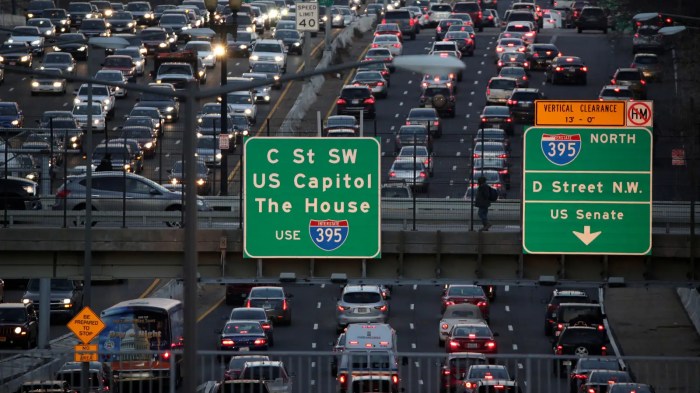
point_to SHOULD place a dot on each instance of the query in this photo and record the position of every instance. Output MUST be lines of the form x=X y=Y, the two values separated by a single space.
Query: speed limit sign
x=307 y=16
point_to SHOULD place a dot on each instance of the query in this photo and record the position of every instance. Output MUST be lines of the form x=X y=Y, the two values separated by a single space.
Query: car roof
x=362 y=288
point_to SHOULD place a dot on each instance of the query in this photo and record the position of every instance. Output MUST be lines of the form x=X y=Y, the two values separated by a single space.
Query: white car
x=262 y=93
x=457 y=314
x=337 y=18
x=390 y=42
x=526 y=28
x=46 y=27
x=113 y=76
x=243 y=102
x=80 y=112
x=29 y=34
x=269 y=50
x=551 y=19
x=204 y=51
x=438 y=12
x=348 y=15
x=49 y=84
x=509 y=45
x=100 y=93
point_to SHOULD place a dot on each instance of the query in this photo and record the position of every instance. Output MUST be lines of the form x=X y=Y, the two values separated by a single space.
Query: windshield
x=121 y=15
x=96 y=90
x=83 y=110
x=131 y=329
x=341 y=121
x=152 y=113
x=441 y=8
x=362 y=297
x=199 y=46
x=93 y=24
x=72 y=38
x=179 y=69
x=263 y=47
x=19 y=31
x=466 y=331
x=239 y=99
x=371 y=360
x=465 y=291
x=286 y=34
x=79 y=7
x=57 y=58
x=39 y=23
x=136 y=133
x=243 y=328
x=57 y=284
x=244 y=313
x=422 y=114
x=110 y=76
x=13 y=315
x=265 y=67
x=8 y=110
x=154 y=97
x=173 y=19
x=206 y=143
x=154 y=35
x=138 y=7
x=646 y=60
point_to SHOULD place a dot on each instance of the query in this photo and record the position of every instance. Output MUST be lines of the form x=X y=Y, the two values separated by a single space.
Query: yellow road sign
x=86 y=348
x=86 y=325
x=85 y=357
x=589 y=113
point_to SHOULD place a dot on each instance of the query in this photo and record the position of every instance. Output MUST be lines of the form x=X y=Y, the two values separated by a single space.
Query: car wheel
x=81 y=222
x=441 y=343
x=605 y=31
x=413 y=36
x=174 y=224
x=580 y=30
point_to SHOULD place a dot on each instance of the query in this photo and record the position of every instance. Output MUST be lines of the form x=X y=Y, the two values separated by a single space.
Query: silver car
x=243 y=102
x=420 y=153
x=110 y=188
x=499 y=89
x=413 y=174
x=208 y=150
x=361 y=304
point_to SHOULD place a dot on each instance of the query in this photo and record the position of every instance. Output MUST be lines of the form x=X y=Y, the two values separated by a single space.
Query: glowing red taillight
x=491 y=345
x=584 y=69
x=341 y=101
x=343 y=379
x=259 y=341
x=381 y=308
x=284 y=304
x=511 y=102
x=395 y=379
x=454 y=344
x=369 y=100
x=62 y=193
x=165 y=355
x=559 y=349
x=247 y=303
x=227 y=342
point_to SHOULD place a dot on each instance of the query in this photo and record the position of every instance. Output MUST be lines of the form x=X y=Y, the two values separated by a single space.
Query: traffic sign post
x=312 y=198
x=85 y=353
x=587 y=190
x=307 y=17
x=86 y=325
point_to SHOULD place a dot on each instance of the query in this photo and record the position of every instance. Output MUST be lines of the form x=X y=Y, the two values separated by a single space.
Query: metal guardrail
x=445 y=214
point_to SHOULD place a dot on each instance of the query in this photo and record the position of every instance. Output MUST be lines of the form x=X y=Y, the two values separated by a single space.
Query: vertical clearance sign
x=312 y=198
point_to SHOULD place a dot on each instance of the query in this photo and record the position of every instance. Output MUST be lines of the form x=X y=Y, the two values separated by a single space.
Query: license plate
x=566 y=363
x=267 y=306
x=472 y=345
x=362 y=310
x=13 y=63
x=243 y=349
x=572 y=69
x=355 y=101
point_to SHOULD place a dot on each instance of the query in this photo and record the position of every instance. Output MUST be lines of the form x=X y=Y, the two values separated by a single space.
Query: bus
x=151 y=329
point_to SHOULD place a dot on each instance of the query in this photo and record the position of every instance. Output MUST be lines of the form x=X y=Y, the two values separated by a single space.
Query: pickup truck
x=179 y=69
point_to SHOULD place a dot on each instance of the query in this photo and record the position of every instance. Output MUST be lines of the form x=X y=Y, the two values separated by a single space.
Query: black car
x=146 y=136
x=497 y=116
x=559 y=297
x=255 y=314
x=17 y=193
x=79 y=11
x=354 y=99
x=65 y=297
x=441 y=98
x=592 y=18
x=292 y=39
x=465 y=42
x=583 y=369
x=493 y=164
x=579 y=314
x=540 y=55
x=122 y=22
x=577 y=341
x=176 y=176
x=243 y=44
x=168 y=107
x=522 y=104
x=409 y=135
x=94 y=28
x=157 y=40
x=73 y=43
x=600 y=381
x=16 y=54
x=567 y=69
x=513 y=59
x=19 y=325
x=36 y=7
x=243 y=336
x=59 y=17
x=492 y=135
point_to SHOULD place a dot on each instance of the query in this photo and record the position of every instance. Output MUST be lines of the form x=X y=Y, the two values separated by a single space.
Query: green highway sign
x=312 y=198
x=587 y=190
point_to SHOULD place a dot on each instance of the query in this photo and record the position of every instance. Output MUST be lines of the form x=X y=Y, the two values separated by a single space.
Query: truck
x=179 y=69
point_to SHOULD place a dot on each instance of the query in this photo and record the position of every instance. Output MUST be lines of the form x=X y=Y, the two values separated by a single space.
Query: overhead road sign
x=639 y=114
x=593 y=113
x=312 y=198
x=86 y=325
x=587 y=190
x=307 y=16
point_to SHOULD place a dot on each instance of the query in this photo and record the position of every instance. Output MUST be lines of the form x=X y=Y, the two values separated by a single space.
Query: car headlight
x=74 y=138
x=57 y=84
x=69 y=68
x=255 y=57
x=148 y=145
x=200 y=202
x=76 y=101
x=325 y=18
x=209 y=57
x=200 y=182
x=162 y=45
x=143 y=51
x=15 y=122
x=64 y=21
x=10 y=40
x=273 y=13
x=26 y=301
x=200 y=73
x=337 y=17
x=285 y=12
x=297 y=44
x=267 y=98
x=130 y=24
x=138 y=63
x=199 y=134
x=24 y=59
x=108 y=24
x=172 y=39
x=66 y=301
x=82 y=48
x=173 y=181
x=127 y=167
x=279 y=58
x=106 y=101
x=96 y=122
x=18 y=330
x=36 y=42
x=276 y=77
x=148 y=15
x=35 y=84
x=242 y=46
x=31 y=176
x=49 y=32
x=56 y=49
x=249 y=29
x=108 y=12
x=247 y=111
x=30 y=15
x=218 y=156
x=169 y=109
x=88 y=16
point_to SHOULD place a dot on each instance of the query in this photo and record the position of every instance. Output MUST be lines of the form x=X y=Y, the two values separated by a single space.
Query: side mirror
x=170 y=171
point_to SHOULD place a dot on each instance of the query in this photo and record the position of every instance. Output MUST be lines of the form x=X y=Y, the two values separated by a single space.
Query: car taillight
x=395 y=379
x=341 y=101
x=375 y=45
x=526 y=64
x=559 y=349
x=499 y=49
x=449 y=302
x=454 y=344
x=560 y=326
x=427 y=162
x=509 y=120
x=511 y=102
x=580 y=376
x=643 y=82
x=266 y=326
x=341 y=308
x=396 y=45
x=446 y=372
x=412 y=22
x=601 y=327
x=604 y=350
x=584 y=69
x=383 y=21
x=483 y=304
x=392 y=174
x=438 y=29
x=259 y=341
x=503 y=172
x=343 y=379
x=227 y=342
x=62 y=193
x=423 y=175
x=284 y=304
x=524 y=77
x=483 y=120
x=444 y=326
x=591 y=390
x=381 y=308
x=247 y=303
x=380 y=83
x=165 y=355
x=436 y=123
x=369 y=100
x=469 y=385
x=558 y=69
x=521 y=49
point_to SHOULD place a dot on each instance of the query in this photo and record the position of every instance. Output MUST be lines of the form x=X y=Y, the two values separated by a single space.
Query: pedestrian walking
x=484 y=197
x=105 y=164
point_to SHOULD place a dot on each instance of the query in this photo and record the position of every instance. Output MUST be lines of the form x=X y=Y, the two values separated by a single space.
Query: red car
x=472 y=338
x=474 y=294
x=122 y=63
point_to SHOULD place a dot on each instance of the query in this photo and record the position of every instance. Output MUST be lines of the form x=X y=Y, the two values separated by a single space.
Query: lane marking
x=507 y=309
x=411 y=325
x=420 y=381
x=315 y=326
x=313 y=345
x=313 y=364
x=401 y=103
x=12 y=88
x=454 y=168
x=510 y=328
x=413 y=345
x=405 y=92
x=459 y=153
x=415 y=286
x=318 y=305
x=416 y=364
x=211 y=309
x=412 y=305
x=312 y=382
x=515 y=347
x=520 y=366
x=396 y=115
x=323 y=286
x=507 y=288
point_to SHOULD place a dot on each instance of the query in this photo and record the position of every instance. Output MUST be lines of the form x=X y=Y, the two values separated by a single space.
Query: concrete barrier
x=690 y=297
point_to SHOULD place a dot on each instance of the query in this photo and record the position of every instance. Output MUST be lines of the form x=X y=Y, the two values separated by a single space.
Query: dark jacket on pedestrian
x=482 y=196
x=105 y=164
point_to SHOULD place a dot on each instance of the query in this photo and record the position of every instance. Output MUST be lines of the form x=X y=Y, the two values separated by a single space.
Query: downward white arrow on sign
x=587 y=237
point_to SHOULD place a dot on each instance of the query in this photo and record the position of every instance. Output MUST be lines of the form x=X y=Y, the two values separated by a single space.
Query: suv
x=439 y=97
x=585 y=365
x=473 y=9
x=499 y=89
x=17 y=193
x=579 y=341
x=361 y=303
x=66 y=296
x=269 y=50
x=559 y=297
x=522 y=103
x=100 y=376
x=19 y=325
x=633 y=78
x=579 y=314
x=369 y=371
x=354 y=99
x=272 y=372
x=403 y=18
x=648 y=39
x=592 y=18
x=275 y=302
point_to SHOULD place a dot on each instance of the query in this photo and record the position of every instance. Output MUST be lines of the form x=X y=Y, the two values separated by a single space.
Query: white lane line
x=472 y=92
x=313 y=345
x=483 y=62
x=65 y=104
x=416 y=364
x=507 y=288
x=313 y=364
x=323 y=286
x=401 y=103
x=554 y=39
x=312 y=382
x=507 y=309
x=470 y=104
x=315 y=326
x=459 y=153
x=238 y=63
x=318 y=305
x=452 y=183
x=177 y=142
x=11 y=89
x=520 y=366
x=157 y=169
x=467 y=116
x=544 y=83
x=412 y=306
x=410 y=81
x=167 y=155
x=411 y=325
x=384 y=153
x=454 y=167
x=397 y=115
x=510 y=328
x=392 y=128
x=405 y=92
x=476 y=82
x=415 y=286
x=114 y=128
x=413 y=345
x=478 y=72
x=515 y=347
x=463 y=129
x=420 y=381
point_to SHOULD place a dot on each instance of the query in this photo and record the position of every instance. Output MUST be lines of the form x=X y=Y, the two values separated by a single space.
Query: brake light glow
x=560 y=326
x=341 y=308
x=380 y=83
x=62 y=193
x=341 y=101
x=584 y=69
x=369 y=100
x=511 y=102
x=445 y=372
x=558 y=69
x=381 y=308
x=343 y=379
x=284 y=304
x=601 y=327
x=481 y=304
x=397 y=45
x=227 y=342
x=423 y=175
x=503 y=172
x=604 y=350
x=444 y=326
x=384 y=343
x=454 y=344
x=395 y=379
x=580 y=376
x=392 y=174
x=488 y=376
x=247 y=304
x=259 y=341
x=375 y=45
x=643 y=82
x=469 y=385
x=266 y=326
x=436 y=123
x=491 y=345
x=165 y=355
x=559 y=349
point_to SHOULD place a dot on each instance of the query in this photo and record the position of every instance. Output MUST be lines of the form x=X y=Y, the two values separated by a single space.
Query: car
x=508 y=45
x=492 y=135
x=495 y=170
x=465 y=43
x=648 y=39
x=650 y=64
x=541 y=55
x=176 y=176
x=204 y=50
x=419 y=153
x=441 y=98
x=262 y=92
x=11 y=116
x=592 y=18
x=80 y=11
x=18 y=193
x=133 y=146
x=274 y=300
x=403 y=18
x=521 y=15
x=208 y=151
x=579 y=314
x=36 y=7
x=633 y=78
x=151 y=112
x=412 y=173
x=292 y=39
x=630 y=387
x=242 y=336
x=177 y=21
x=412 y=135
x=559 y=297
x=567 y=69
x=437 y=13
x=341 y=122
x=396 y=190
x=147 y=137
x=94 y=28
x=529 y=31
x=122 y=63
x=45 y=25
x=80 y=113
x=472 y=337
x=236 y=363
x=55 y=82
x=585 y=365
x=113 y=76
x=157 y=39
x=30 y=35
x=16 y=54
x=381 y=67
x=440 y=46
x=616 y=93
x=100 y=93
x=271 y=70
x=374 y=80
x=490 y=149
x=459 y=294
x=482 y=372
x=445 y=79
x=457 y=314
x=522 y=103
x=552 y=19
x=443 y=27
x=376 y=9
x=355 y=99
x=520 y=75
x=390 y=42
x=454 y=367
x=284 y=25
x=121 y=22
x=513 y=59
x=361 y=304
x=464 y=17
x=243 y=103
x=100 y=376
x=380 y=54
x=578 y=341
x=243 y=44
x=255 y=314
x=65 y=297
x=499 y=89
x=388 y=29
x=600 y=381
x=427 y=117
x=473 y=9
x=19 y=325
x=269 y=50
x=490 y=18
x=73 y=43
x=240 y=385
x=273 y=373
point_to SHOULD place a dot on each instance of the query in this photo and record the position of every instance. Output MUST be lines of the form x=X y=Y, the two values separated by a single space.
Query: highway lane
x=516 y=315
x=104 y=295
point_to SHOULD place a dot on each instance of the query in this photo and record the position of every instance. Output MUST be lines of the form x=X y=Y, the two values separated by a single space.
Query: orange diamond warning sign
x=86 y=325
